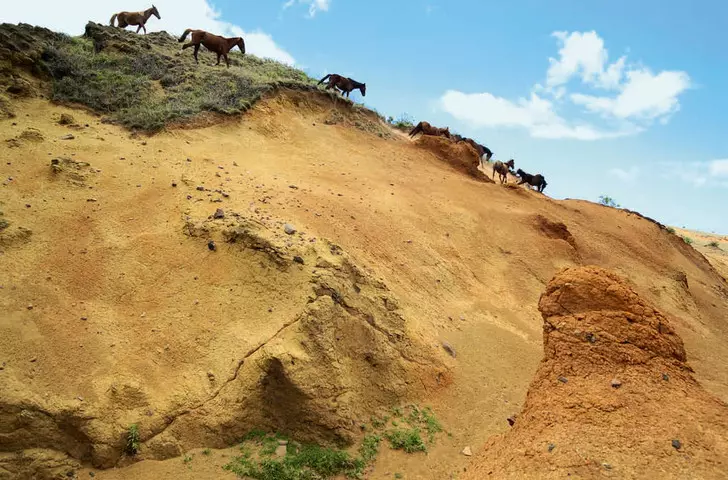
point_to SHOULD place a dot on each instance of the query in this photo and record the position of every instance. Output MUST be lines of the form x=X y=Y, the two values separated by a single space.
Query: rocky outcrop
x=614 y=395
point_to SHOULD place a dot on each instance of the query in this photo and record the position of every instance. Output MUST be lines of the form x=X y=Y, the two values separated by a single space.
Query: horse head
x=241 y=44
x=446 y=132
x=363 y=89
x=511 y=163
x=155 y=12
x=520 y=172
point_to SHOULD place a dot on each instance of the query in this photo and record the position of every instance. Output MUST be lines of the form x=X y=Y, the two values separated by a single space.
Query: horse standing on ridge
x=135 y=18
x=345 y=84
x=214 y=43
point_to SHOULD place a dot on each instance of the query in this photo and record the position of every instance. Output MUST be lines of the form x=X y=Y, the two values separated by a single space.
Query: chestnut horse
x=214 y=43
x=345 y=84
x=427 y=129
x=135 y=18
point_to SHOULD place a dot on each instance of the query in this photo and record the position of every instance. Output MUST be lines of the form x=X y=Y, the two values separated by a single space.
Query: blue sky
x=602 y=97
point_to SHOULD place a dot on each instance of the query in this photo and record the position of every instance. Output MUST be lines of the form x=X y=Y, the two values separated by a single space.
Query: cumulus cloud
x=637 y=97
x=313 y=5
x=177 y=15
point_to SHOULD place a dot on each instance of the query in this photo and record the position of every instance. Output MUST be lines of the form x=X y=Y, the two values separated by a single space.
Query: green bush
x=608 y=201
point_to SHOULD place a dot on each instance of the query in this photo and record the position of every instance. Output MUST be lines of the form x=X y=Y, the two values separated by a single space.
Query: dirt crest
x=614 y=395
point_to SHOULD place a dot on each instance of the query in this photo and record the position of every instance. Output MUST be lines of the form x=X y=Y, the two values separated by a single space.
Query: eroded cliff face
x=614 y=395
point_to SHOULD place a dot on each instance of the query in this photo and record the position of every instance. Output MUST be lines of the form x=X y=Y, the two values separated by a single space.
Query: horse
x=537 y=180
x=502 y=169
x=214 y=43
x=135 y=18
x=481 y=149
x=345 y=84
x=427 y=129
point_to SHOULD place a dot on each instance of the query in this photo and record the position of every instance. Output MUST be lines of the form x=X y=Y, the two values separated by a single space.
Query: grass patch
x=403 y=122
x=143 y=83
x=713 y=244
x=133 y=439
x=410 y=429
x=687 y=240
x=670 y=230
x=207 y=452
x=309 y=462
x=409 y=440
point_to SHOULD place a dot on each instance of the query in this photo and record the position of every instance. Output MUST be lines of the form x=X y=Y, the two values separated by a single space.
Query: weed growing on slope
x=714 y=244
x=687 y=240
x=133 y=439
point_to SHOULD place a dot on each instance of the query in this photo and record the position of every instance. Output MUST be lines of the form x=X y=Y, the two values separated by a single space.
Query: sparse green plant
x=207 y=452
x=687 y=240
x=403 y=122
x=714 y=244
x=3 y=224
x=608 y=201
x=369 y=447
x=133 y=439
x=409 y=440
x=670 y=230
x=187 y=458
x=398 y=475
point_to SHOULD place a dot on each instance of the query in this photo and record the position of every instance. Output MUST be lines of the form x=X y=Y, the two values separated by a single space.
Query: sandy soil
x=108 y=296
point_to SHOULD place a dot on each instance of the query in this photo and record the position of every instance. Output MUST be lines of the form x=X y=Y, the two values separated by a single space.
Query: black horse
x=537 y=180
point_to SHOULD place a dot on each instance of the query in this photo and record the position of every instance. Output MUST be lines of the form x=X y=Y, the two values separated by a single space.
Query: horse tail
x=113 y=18
x=184 y=35
x=416 y=130
x=323 y=79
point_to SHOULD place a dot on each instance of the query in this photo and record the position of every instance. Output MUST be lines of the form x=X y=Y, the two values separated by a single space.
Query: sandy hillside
x=118 y=309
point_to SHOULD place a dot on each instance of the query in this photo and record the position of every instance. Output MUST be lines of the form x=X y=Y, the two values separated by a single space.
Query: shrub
x=608 y=201
x=687 y=240
x=714 y=244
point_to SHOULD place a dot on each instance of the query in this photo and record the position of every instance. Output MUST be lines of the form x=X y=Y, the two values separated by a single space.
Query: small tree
x=608 y=201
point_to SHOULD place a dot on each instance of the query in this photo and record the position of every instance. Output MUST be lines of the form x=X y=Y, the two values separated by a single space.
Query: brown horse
x=426 y=129
x=345 y=84
x=502 y=169
x=135 y=18
x=214 y=43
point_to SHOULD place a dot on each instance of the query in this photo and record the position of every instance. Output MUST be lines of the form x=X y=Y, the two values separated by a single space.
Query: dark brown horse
x=537 y=180
x=345 y=84
x=502 y=169
x=135 y=18
x=426 y=129
x=214 y=43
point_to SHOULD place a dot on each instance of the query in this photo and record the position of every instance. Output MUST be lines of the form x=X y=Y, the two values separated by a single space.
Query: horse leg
x=226 y=59
x=197 y=49
x=218 y=58
x=139 y=28
x=144 y=28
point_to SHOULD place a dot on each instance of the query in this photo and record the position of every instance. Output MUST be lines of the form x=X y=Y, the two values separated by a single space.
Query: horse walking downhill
x=345 y=84
x=214 y=43
x=426 y=129
x=537 y=180
x=502 y=169
x=135 y=18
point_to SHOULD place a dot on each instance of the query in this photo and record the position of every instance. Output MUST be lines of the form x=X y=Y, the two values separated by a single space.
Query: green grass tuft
x=687 y=240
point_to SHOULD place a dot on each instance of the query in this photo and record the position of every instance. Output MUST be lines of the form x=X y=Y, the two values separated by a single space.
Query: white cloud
x=583 y=54
x=536 y=114
x=313 y=5
x=719 y=168
x=697 y=174
x=628 y=175
x=642 y=97
x=177 y=15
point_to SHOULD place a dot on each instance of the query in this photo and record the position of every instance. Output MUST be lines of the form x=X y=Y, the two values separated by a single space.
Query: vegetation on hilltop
x=145 y=82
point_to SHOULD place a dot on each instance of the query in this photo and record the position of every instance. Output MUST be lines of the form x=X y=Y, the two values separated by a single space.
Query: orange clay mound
x=460 y=156
x=613 y=397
